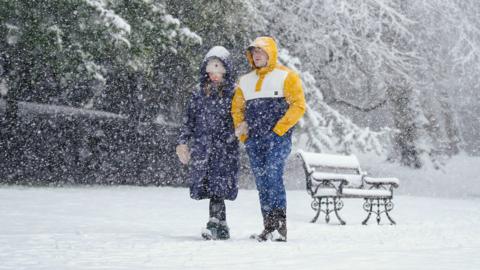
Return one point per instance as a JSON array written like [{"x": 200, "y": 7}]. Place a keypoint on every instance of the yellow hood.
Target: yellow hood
[{"x": 269, "y": 45}]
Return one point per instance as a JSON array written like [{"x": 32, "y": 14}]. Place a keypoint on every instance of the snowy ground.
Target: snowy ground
[{"x": 159, "y": 228}]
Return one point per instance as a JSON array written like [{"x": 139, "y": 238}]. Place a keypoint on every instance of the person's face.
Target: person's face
[
  {"x": 260, "y": 57},
  {"x": 215, "y": 77}
]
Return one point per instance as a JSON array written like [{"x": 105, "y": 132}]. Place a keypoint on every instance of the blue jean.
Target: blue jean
[{"x": 267, "y": 156}]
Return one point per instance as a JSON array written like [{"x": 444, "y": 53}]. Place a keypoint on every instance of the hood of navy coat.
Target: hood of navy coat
[{"x": 223, "y": 55}]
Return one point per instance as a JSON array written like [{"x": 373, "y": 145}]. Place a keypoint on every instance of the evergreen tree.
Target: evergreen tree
[{"x": 93, "y": 54}]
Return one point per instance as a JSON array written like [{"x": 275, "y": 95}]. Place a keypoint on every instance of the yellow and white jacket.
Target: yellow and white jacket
[{"x": 270, "y": 98}]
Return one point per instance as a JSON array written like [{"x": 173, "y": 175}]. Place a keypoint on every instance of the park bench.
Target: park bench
[{"x": 331, "y": 178}]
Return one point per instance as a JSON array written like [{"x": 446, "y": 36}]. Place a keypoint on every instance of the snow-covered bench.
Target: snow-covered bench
[{"x": 330, "y": 178}]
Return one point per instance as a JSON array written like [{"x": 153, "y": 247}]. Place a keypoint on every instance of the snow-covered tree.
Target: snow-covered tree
[
  {"x": 450, "y": 49},
  {"x": 85, "y": 53},
  {"x": 387, "y": 61},
  {"x": 325, "y": 129},
  {"x": 340, "y": 43},
  {"x": 111, "y": 55}
]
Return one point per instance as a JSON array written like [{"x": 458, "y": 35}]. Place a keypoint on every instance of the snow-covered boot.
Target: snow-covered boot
[
  {"x": 212, "y": 229},
  {"x": 280, "y": 225},
  {"x": 223, "y": 232},
  {"x": 268, "y": 228}
]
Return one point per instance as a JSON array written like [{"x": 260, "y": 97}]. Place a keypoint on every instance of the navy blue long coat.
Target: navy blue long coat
[{"x": 208, "y": 129}]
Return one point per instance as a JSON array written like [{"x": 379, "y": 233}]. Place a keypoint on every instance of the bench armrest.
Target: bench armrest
[{"x": 382, "y": 181}]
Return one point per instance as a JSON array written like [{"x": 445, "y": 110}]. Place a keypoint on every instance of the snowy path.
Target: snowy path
[{"x": 158, "y": 228}]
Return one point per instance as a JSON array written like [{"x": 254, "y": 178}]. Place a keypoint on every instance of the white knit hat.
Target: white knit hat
[{"x": 214, "y": 65}]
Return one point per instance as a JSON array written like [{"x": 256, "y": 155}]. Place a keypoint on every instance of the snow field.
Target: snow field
[{"x": 159, "y": 228}]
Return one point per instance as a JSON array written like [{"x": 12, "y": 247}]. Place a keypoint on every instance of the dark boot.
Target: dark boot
[
  {"x": 223, "y": 232},
  {"x": 217, "y": 228},
  {"x": 281, "y": 225},
  {"x": 212, "y": 229},
  {"x": 268, "y": 228}
]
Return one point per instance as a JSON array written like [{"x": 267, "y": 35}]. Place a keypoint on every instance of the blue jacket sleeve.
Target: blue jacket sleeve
[{"x": 188, "y": 122}]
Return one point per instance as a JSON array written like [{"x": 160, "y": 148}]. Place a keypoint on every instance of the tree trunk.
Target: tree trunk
[{"x": 404, "y": 115}]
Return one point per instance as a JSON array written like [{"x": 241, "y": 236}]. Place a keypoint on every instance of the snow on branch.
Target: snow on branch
[{"x": 110, "y": 18}]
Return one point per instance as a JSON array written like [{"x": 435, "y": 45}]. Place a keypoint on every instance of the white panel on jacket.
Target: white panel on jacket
[{"x": 272, "y": 86}]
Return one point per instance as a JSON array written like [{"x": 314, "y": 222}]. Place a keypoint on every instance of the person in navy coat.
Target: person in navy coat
[{"x": 207, "y": 141}]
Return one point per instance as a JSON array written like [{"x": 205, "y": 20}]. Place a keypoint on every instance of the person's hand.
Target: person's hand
[
  {"x": 242, "y": 129},
  {"x": 183, "y": 153}
]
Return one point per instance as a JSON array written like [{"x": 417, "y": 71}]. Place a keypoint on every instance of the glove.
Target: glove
[
  {"x": 242, "y": 129},
  {"x": 183, "y": 153}
]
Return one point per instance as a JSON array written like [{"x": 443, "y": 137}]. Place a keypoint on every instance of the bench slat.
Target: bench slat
[
  {"x": 382, "y": 180},
  {"x": 364, "y": 193},
  {"x": 354, "y": 180}
]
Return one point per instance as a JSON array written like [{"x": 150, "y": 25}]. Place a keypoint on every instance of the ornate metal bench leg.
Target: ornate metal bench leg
[
  {"x": 316, "y": 205},
  {"x": 327, "y": 210},
  {"x": 378, "y": 212},
  {"x": 388, "y": 207},
  {"x": 367, "y": 206},
  {"x": 337, "y": 205}
]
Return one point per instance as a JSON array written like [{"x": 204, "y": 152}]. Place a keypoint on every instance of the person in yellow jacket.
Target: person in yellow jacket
[{"x": 267, "y": 103}]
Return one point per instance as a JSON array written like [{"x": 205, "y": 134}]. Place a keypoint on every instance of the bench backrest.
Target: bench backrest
[{"x": 332, "y": 163}]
